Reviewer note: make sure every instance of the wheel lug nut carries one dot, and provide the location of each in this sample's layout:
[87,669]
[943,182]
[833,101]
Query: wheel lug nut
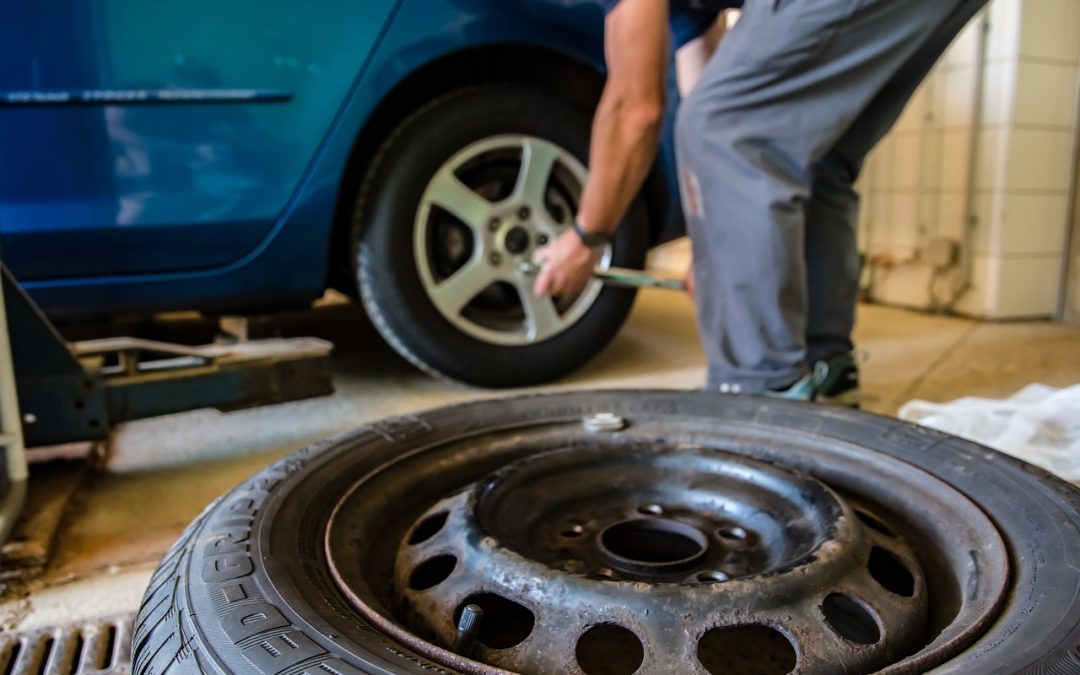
[493,224]
[524,212]
[542,239]
[604,422]
[495,258]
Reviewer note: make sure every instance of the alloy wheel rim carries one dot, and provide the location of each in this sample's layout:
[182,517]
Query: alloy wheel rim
[480,220]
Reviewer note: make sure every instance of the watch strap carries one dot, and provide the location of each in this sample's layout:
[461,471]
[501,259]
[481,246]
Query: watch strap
[591,239]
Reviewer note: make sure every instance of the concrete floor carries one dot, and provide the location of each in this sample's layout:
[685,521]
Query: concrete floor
[160,473]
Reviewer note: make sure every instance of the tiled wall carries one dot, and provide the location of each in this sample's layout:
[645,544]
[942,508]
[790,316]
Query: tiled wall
[915,184]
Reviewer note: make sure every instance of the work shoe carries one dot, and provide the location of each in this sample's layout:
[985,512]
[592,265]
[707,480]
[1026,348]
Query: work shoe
[804,389]
[836,380]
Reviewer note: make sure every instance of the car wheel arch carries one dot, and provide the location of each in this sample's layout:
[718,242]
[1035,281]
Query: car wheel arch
[544,67]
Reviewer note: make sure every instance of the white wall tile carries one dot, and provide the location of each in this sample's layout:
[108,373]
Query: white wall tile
[950,218]
[956,145]
[931,157]
[904,230]
[906,162]
[1029,287]
[1046,93]
[918,176]
[904,285]
[1050,29]
[1034,223]
[957,104]
[1039,159]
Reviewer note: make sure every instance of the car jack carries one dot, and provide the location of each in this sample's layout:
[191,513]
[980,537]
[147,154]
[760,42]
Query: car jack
[70,392]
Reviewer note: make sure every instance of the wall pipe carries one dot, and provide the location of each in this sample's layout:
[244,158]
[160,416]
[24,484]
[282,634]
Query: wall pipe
[971,216]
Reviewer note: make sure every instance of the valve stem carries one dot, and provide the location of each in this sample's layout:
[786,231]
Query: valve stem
[468,626]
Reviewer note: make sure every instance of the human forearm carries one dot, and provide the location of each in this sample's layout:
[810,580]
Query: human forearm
[625,135]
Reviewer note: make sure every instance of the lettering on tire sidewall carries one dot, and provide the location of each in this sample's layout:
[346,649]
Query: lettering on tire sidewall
[260,631]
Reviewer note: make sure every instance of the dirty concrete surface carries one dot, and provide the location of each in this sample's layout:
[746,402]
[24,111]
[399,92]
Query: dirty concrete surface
[158,474]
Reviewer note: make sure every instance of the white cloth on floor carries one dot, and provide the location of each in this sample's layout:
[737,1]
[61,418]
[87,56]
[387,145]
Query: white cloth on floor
[1039,424]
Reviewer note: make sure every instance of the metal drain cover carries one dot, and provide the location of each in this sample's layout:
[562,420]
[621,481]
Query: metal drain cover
[98,648]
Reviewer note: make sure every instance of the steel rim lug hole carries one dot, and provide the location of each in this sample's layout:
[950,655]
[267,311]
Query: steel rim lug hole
[733,534]
[573,532]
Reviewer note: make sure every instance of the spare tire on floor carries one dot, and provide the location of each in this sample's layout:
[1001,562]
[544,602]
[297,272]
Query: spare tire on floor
[619,532]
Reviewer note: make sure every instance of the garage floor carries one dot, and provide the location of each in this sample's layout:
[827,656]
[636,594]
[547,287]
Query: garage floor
[160,473]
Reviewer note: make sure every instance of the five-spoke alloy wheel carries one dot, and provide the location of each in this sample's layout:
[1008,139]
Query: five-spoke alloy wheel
[448,224]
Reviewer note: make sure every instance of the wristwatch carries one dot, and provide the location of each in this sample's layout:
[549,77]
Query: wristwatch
[591,239]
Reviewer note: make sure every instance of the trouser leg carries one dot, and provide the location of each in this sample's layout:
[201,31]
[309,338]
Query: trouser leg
[770,142]
[832,259]
[832,212]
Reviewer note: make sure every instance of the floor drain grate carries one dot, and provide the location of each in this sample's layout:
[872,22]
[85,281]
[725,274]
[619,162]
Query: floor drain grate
[98,648]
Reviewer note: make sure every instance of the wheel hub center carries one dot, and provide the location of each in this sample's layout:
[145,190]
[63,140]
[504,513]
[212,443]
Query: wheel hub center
[652,546]
[516,241]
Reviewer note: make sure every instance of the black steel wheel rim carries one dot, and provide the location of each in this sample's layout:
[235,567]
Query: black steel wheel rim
[884,546]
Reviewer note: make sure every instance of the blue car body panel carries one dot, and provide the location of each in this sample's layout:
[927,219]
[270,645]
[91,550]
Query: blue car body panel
[190,155]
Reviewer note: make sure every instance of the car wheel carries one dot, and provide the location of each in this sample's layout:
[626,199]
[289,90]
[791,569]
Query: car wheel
[454,207]
[619,532]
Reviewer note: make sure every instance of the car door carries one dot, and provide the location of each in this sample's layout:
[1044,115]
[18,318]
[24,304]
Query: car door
[146,137]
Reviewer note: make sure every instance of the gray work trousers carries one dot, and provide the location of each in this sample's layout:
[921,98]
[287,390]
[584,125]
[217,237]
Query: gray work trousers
[770,143]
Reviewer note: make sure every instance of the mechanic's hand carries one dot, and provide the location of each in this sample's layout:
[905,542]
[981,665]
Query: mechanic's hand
[566,266]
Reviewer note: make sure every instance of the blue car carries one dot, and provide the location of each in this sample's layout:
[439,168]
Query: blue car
[247,156]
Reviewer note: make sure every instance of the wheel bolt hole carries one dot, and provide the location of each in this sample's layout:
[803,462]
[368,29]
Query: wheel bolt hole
[892,574]
[733,533]
[651,510]
[711,577]
[851,619]
[428,528]
[746,649]
[608,649]
[573,532]
[505,624]
[432,572]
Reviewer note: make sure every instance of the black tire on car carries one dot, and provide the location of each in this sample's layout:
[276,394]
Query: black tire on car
[392,287]
[255,584]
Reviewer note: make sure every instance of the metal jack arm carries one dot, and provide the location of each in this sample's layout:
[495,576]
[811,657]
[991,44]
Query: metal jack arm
[77,392]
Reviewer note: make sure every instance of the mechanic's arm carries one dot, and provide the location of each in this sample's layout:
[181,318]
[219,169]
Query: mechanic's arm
[625,135]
